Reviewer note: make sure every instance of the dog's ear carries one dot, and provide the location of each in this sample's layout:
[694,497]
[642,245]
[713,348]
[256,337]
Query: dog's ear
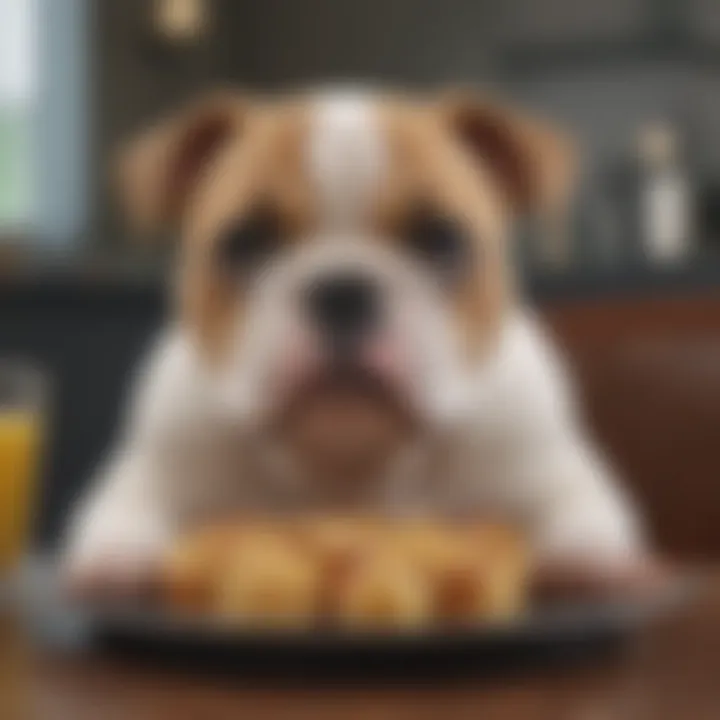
[533,163]
[156,172]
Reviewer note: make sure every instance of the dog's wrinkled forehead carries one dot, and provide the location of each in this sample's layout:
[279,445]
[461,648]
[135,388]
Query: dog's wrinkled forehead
[340,164]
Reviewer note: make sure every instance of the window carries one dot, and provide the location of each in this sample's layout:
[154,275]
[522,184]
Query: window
[18,102]
[44,120]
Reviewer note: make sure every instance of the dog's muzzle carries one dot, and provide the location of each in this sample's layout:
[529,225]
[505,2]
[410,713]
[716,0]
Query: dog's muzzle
[345,309]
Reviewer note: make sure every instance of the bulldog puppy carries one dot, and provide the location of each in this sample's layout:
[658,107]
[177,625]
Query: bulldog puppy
[348,333]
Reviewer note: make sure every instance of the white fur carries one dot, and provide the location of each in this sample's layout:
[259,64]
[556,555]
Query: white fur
[346,156]
[190,447]
[523,454]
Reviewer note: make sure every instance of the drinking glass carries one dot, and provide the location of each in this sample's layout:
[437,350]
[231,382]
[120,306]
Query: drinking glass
[22,404]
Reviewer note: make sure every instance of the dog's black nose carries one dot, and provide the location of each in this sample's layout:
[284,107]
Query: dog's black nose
[344,307]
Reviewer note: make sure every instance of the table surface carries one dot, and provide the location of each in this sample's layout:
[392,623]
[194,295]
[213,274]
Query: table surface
[670,670]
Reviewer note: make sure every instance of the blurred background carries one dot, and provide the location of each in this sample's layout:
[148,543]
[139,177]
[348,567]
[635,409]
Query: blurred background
[630,283]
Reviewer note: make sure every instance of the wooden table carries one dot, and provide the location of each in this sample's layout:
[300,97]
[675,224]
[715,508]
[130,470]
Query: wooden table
[671,671]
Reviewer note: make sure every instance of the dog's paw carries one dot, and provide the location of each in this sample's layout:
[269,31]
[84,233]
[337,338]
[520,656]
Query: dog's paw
[113,566]
[110,577]
[581,579]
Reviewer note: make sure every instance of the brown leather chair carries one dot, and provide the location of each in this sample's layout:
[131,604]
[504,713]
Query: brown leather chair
[649,372]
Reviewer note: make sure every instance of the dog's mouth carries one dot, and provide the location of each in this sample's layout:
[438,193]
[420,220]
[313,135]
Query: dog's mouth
[345,420]
[346,385]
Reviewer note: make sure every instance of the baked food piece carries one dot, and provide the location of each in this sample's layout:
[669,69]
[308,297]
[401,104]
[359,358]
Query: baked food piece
[444,556]
[193,566]
[501,572]
[269,582]
[476,571]
[338,542]
[384,592]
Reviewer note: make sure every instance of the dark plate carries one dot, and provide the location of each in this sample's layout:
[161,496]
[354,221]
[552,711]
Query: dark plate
[543,637]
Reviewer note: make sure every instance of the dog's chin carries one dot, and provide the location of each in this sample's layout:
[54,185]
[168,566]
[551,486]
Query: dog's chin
[344,424]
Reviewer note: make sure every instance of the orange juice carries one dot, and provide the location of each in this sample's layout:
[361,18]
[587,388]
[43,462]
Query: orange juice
[19,451]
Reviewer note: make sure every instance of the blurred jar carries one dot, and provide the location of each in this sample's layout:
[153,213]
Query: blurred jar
[665,195]
[22,405]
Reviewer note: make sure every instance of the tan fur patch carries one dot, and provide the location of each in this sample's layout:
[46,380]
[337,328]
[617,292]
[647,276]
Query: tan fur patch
[261,165]
[429,165]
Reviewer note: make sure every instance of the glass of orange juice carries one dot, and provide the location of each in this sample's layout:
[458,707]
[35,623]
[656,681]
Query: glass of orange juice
[22,400]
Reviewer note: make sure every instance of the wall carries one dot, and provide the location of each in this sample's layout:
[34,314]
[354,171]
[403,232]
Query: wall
[599,68]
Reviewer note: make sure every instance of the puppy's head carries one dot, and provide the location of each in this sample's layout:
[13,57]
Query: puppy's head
[343,269]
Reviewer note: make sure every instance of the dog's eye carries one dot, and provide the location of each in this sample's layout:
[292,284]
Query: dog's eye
[247,245]
[439,240]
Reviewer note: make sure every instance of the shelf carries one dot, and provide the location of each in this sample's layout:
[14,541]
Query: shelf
[572,56]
